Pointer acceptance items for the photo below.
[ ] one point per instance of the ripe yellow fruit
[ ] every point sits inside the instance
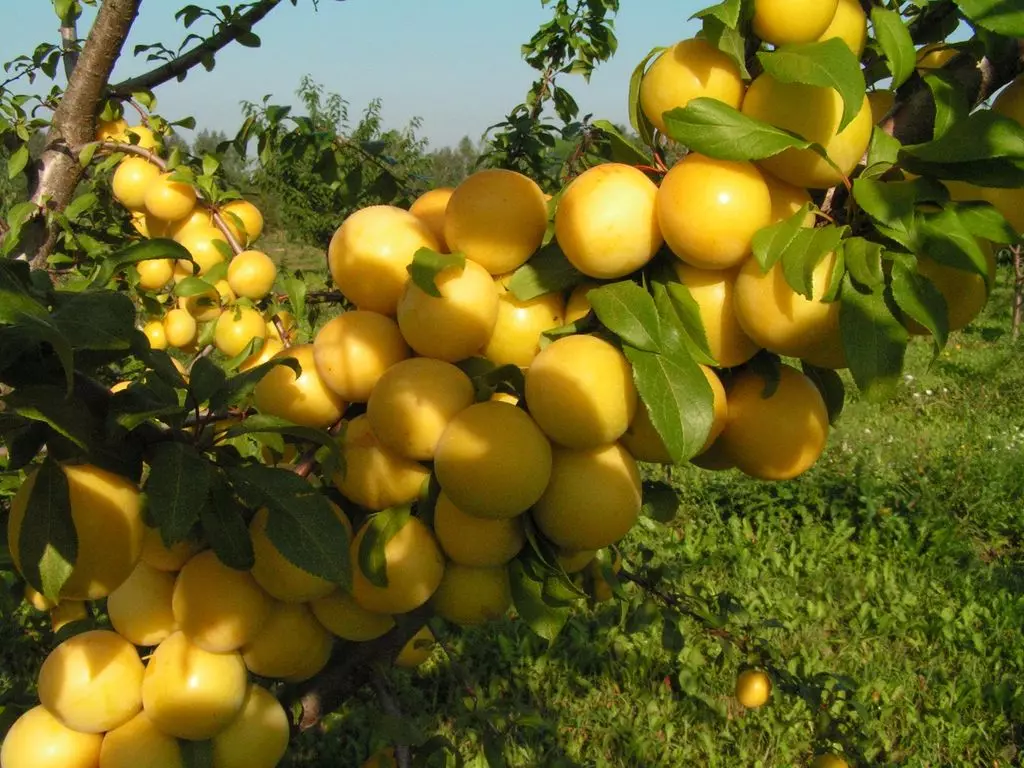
(413, 403)
(147, 225)
(207, 306)
(92, 682)
(385, 758)
(414, 567)
(145, 138)
(455, 325)
(132, 180)
(106, 510)
(190, 693)
(966, 293)
(283, 645)
(179, 328)
(497, 218)
(1010, 101)
(373, 476)
(776, 437)
(251, 274)
(257, 738)
(236, 327)
(850, 24)
(602, 589)
(353, 350)
(753, 687)
(709, 210)
(593, 498)
(157, 555)
(493, 460)
(278, 576)
(343, 616)
(577, 306)
(780, 22)
(880, 102)
(777, 317)
(201, 216)
(154, 274)
(108, 129)
(369, 253)
(787, 200)
(243, 219)
(574, 561)
(606, 222)
(644, 442)
(154, 330)
(430, 209)
(419, 648)
(169, 200)
(202, 242)
(935, 56)
(815, 114)
(39, 740)
(477, 541)
(271, 347)
(714, 292)
(469, 595)
(1010, 203)
(516, 337)
(140, 609)
(580, 391)
(37, 599)
(690, 69)
(67, 612)
(140, 744)
(218, 608)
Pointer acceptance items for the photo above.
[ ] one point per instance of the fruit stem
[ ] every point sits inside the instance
(308, 460)
(282, 332)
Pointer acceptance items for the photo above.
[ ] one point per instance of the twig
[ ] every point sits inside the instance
(180, 66)
(308, 459)
(390, 707)
(282, 332)
(325, 297)
(222, 225)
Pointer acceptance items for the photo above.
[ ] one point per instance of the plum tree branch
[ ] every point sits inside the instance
(179, 67)
(352, 666)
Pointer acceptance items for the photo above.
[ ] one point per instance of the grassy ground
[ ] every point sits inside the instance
(889, 579)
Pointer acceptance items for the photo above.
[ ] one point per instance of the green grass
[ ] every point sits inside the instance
(889, 578)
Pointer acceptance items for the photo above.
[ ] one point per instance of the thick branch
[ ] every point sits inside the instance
(74, 122)
(69, 44)
(180, 66)
(352, 667)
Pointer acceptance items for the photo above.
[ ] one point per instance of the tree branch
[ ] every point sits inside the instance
(390, 707)
(352, 666)
(179, 67)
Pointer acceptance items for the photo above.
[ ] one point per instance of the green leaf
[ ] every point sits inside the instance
(192, 286)
(727, 12)
(263, 423)
(48, 541)
(717, 130)
(224, 527)
(944, 238)
(205, 379)
(874, 340)
(984, 221)
(883, 152)
(528, 597)
(295, 286)
(897, 46)
(864, 261)
(48, 404)
(80, 205)
(380, 528)
(427, 264)
(830, 385)
(660, 501)
(140, 403)
(17, 161)
(918, 297)
(678, 399)
(728, 40)
(238, 388)
(637, 118)
(770, 243)
(999, 16)
(111, 319)
(983, 135)
(623, 150)
(804, 254)
(892, 204)
(547, 271)
(156, 248)
(681, 322)
(826, 64)
(177, 489)
(628, 311)
(951, 101)
(301, 523)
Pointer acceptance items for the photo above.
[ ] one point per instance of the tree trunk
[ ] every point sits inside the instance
(1018, 290)
(74, 124)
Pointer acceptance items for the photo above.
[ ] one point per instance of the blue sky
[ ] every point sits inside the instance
(455, 64)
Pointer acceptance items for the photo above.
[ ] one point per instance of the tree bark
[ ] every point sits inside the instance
(180, 66)
(74, 123)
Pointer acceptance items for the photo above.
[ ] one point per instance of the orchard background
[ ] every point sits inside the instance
(873, 583)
